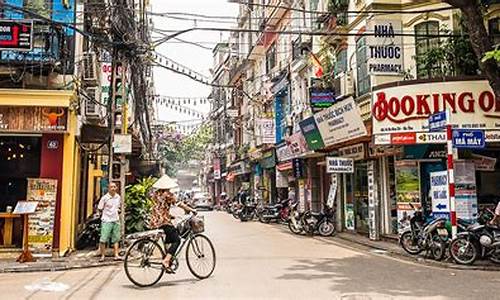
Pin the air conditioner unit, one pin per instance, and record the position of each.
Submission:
(92, 107)
(344, 85)
(90, 68)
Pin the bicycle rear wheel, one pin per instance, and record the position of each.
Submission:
(200, 256)
(143, 262)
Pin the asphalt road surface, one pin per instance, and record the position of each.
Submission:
(258, 261)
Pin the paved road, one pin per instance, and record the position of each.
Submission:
(258, 261)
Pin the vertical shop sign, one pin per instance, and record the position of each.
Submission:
(217, 174)
(372, 202)
(267, 131)
(349, 216)
(333, 191)
(439, 194)
(41, 223)
(302, 195)
(311, 133)
(298, 168)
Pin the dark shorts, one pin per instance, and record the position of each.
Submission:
(171, 237)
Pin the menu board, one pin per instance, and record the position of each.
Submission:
(41, 223)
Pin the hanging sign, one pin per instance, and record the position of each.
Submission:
(217, 172)
(437, 121)
(267, 132)
(41, 223)
(312, 134)
(356, 152)
(339, 165)
(333, 191)
(122, 143)
(385, 51)
(33, 119)
(465, 138)
(484, 163)
(439, 194)
(341, 122)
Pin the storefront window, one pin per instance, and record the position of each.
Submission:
(424, 43)
(341, 62)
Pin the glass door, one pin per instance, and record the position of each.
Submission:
(360, 189)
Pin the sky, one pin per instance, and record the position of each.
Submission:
(168, 83)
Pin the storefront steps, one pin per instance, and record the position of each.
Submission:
(390, 247)
(77, 260)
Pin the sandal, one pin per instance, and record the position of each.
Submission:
(117, 258)
(167, 269)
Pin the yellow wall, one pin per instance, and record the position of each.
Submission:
(70, 190)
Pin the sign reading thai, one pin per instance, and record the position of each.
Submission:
(16, 35)
(385, 53)
(472, 105)
(339, 165)
(32, 119)
(341, 122)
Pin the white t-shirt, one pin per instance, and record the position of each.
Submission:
(110, 205)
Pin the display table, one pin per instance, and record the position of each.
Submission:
(8, 226)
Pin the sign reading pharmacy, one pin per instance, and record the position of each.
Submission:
(385, 50)
(407, 108)
(339, 165)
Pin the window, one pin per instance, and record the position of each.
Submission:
(271, 58)
(363, 78)
(424, 43)
(341, 62)
(494, 30)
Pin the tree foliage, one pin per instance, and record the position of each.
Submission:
(138, 205)
(177, 150)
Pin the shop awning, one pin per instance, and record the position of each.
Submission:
(41, 98)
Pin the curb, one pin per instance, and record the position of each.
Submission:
(54, 267)
(418, 259)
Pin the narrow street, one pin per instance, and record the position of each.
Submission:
(258, 261)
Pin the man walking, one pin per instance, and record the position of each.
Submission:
(109, 206)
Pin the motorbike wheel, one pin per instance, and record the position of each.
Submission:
(264, 219)
(293, 228)
(438, 248)
(463, 251)
(495, 257)
(409, 244)
(326, 228)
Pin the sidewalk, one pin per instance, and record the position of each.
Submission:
(392, 248)
(77, 260)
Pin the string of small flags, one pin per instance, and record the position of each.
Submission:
(181, 106)
(169, 63)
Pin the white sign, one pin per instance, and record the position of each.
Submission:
(492, 136)
(267, 131)
(406, 108)
(339, 165)
(439, 192)
(122, 143)
(340, 122)
(356, 152)
(284, 153)
(233, 113)
(333, 192)
(382, 139)
(385, 47)
(431, 137)
(484, 163)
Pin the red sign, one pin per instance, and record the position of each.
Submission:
(404, 138)
(15, 35)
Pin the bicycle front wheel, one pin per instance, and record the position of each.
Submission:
(143, 262)
(200, 256)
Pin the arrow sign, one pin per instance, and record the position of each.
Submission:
(441, 206)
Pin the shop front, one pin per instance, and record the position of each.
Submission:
(238, 176)
(38, 162)
(401, 119)
(268, 178)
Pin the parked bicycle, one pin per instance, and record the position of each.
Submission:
(143, 259)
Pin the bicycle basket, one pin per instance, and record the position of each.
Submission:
(197, 224)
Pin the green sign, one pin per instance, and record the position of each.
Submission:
(311, 133)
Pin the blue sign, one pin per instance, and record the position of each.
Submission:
(466, 138)
(437, 122)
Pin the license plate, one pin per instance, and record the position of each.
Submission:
(442, 232)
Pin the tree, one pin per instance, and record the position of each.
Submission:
(481, 41)
(177, 150)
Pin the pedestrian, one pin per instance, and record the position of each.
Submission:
(110, 208)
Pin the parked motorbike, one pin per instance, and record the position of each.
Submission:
(275, 213)
(296, 220)
(428, 236)
(480, 240)
(322, 222)
(89, 236)
(247, 211)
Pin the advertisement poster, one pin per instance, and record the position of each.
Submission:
(407, 182)
(349, 216)
(267, 130)
(333, 192)
(340, 122)
(439, 194)
(41, 223)
(405, 213)
(465, 190)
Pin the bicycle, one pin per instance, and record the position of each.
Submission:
(146, 255)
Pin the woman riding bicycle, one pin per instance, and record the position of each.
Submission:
(162, 218)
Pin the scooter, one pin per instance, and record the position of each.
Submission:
(275, 213)
(322, 223)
